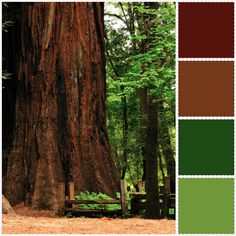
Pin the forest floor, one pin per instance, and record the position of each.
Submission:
(29, 221)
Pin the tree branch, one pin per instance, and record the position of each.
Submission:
(115, 15)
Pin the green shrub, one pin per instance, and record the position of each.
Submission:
(171, 211)
(96, 196)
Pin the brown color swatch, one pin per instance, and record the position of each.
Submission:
(206, 88)
(206, 30)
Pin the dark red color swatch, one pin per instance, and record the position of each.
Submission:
(206, 30)
(206, 88)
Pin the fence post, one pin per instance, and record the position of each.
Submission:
(140, 185)
(61, 197)
(123, 196)
(166, 196)
(72, 192)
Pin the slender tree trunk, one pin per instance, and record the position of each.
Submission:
(143, 124)
(60, 131)
(151, 184)
(151, 146)
(125, 136)
(166, 147)
(161, 164)
(123, 166)
(144, 25)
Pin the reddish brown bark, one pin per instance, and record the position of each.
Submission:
(60, 131)
(6, 207)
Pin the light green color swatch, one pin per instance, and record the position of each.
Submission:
(206, 206)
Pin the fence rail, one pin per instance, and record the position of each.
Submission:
(93, 202)
(167, 200)
(69, 205)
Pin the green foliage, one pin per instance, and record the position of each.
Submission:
(6, 25)
(7, 18)
(6, 75)
(156, 66)
(96, 196)
(130, 68)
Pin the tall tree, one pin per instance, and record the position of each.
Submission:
(165, 141)
(140, 46)
(60, 131)
(151, 160)
(150, 154)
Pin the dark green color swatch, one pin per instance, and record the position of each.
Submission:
(206, 147)
(206, 206)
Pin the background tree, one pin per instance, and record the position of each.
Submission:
(144, 57)
(151, 147)
(60, 131)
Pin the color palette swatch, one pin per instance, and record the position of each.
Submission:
(206, 88)
(206, 117)
(206, 147)
(206, 30)
(205, 206)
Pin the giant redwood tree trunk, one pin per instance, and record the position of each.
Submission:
(60, 131)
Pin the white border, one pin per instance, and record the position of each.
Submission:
(206, 59)
(206, 118)
(206, 176)
(176, 118)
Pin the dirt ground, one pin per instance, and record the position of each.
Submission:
(28, 221)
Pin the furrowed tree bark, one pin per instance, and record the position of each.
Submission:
(6, 207)
(60, 131)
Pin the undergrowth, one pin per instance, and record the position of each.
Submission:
(96, 196)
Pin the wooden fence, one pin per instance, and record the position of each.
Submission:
(72, 206)
(138, 203)
(166, 198)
